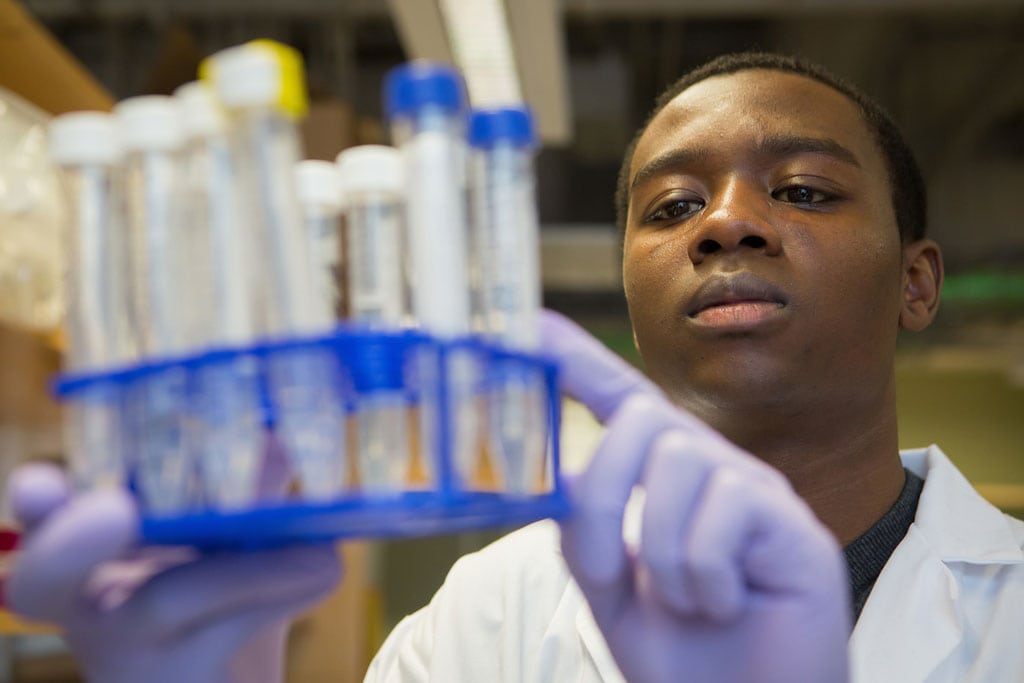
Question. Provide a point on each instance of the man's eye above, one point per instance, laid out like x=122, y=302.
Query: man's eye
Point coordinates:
x=801, y=194
x=676, y=208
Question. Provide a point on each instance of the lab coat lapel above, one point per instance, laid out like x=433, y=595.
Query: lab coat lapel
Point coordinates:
x=891, y=641
x=913, y=620
x=957, y=523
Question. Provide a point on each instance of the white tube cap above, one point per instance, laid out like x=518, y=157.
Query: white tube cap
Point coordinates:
x=246, y=77
x=317, y=184
x=83, y=137
x=201, y=114
x=150, y=123
x=370, y=168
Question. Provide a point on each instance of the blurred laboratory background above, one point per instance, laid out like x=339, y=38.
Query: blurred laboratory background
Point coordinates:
x=950, y=71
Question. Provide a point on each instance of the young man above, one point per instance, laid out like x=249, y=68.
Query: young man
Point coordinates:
x=773, y=248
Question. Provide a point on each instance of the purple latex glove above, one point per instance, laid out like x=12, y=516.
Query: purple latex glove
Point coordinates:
x=734, y=578
x=153, y=615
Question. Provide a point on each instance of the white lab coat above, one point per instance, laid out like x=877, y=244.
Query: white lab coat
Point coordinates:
x=948, y=606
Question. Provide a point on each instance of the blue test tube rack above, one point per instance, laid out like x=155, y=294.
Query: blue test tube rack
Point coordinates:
x=364, y=360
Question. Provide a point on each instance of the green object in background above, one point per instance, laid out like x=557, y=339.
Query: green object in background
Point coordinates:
x=620, y=340
x=980, y=286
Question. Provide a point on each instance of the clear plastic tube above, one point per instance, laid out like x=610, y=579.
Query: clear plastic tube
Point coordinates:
x=160, y=248
x=322, y=229
x=230, y=434
x=84, y=146
x=97, y=327
x=372, y=178
x=435, y=159
x=505, y=227
x=318, y=185
x=375, y=229
x=270, y=151
x=426, y=107
x=375, y=223
x=222, y=260
x=518, y=428
x=382, y=442
x=260, y=83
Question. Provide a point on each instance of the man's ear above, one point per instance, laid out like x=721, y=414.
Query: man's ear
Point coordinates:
x=922, y=284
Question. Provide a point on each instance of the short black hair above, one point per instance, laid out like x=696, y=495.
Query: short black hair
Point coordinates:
x=908, y=188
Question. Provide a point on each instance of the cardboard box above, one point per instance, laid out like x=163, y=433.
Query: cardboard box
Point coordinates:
x=37, y=67
x=327, y=129
x=330, y=644
x=27, y=365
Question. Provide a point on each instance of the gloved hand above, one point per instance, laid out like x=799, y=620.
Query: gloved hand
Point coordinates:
x=734, y=579
x=153, y=615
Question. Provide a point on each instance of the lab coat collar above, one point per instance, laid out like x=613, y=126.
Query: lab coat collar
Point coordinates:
x=956, y=522
x=913, y=619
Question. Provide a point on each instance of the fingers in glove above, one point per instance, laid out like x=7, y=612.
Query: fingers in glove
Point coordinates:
x=275, y=471
x=215, y=588
x=49, y=574
x=675, y=481
x=790, y=535
x=708, y=506
x=233, y=635
x=740, y=517
x=588, y=371
x=592, y=539
x=35, y=490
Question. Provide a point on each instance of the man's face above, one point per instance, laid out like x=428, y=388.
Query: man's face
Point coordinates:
x=762, y=262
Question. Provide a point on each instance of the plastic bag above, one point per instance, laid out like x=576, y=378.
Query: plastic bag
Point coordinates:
x=31, y=213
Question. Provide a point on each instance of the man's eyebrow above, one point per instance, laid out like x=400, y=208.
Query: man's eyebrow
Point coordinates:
x=777, y=146
x=675, y=159
x=790, y=145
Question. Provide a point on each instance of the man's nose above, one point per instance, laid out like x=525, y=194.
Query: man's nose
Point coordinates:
x=736, y=219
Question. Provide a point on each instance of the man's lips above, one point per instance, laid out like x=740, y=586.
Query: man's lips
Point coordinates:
x=735, y=300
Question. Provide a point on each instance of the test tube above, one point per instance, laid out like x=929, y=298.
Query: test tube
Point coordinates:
x=229, y=415
x=261, y=85
x=372, y=186
x=84, y=145
x=425, y=104
x=505, y=227
x=318, y=185
x=216, y=211
x=151, y=132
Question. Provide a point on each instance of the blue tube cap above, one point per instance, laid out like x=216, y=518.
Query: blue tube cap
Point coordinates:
x=512, y=124
x=414, y=86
